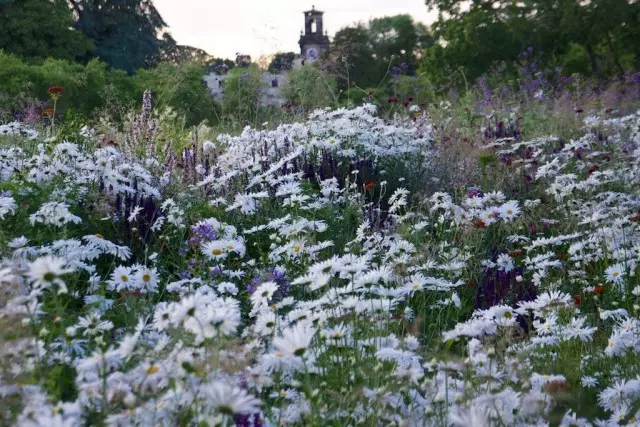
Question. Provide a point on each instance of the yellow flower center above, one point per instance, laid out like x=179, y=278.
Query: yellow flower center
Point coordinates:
x=152, y=369
x=146, y=277
x=509, y=211
x=297, y=248
x=217, y=251
x=99, y=236
x=124, y=278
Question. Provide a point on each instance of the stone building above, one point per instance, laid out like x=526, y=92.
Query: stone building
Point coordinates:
x=313, y=43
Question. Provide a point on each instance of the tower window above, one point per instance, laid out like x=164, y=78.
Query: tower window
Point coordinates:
x=314, y=27
x=274, y=83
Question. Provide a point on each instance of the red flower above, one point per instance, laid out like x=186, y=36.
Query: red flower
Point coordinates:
x=393, y=100
x=369, y=185
x=593, y=168
x=47, y=112
x=578, y=300
x=599, y=290
x=478, y=223
x=55, y=91
x=472, y=284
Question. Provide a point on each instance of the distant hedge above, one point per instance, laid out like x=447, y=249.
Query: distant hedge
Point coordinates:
x=94, y=88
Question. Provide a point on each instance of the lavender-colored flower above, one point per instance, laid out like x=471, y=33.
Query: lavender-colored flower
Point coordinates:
x=147, y=102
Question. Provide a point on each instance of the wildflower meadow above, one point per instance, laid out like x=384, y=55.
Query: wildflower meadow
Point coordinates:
x=448, y=264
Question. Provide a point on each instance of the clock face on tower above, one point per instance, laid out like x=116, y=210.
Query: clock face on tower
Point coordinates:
x=312, y=54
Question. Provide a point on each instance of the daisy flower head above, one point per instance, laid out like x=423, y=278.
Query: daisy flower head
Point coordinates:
x=55, y=214
x=615, y=273
x=504, y=263
x=215, y=250
x=509, y=211
x=147, y=279
x=121, y=279
x=236, y=245
x=162, y=316
x=263, y=293
x=229, y=400
x=7, y=206
x=489, y=216
x=45, y=272
x=295, y=340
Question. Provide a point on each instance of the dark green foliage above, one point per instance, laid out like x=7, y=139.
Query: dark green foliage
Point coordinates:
x=124, y=32
x=177, y=54
x=597, y=37
x=282, y=62
x=84, y=85
x=37, y=29
x=220, y=65
x=90, y=88
x=182, y=88
x=310, y=88
x=61, y=382
x=369, y=55
x=354, y=58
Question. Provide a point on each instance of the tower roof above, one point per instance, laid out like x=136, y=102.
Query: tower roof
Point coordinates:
x=313, y=11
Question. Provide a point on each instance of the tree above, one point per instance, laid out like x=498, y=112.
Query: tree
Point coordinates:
x=368, y=55
x=473, y=35
x=243, y=91
x=281, y=62
x=393, y=36
x=125, y=32
x=220, y=65
x=36, y=30
x=181, y=88
x=173, y=52
x=308, y=87
x=353, y=58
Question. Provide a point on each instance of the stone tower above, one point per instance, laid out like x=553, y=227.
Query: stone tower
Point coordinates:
x=313, y=42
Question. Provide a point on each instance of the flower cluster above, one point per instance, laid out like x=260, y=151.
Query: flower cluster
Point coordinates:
x=284, y=280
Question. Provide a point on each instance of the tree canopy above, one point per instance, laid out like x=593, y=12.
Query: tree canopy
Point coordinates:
x=127, y=34
x=36, y=30
x=473, y=35
x=365, y=54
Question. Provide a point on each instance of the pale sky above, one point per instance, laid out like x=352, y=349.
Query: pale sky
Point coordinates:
x=263, y=27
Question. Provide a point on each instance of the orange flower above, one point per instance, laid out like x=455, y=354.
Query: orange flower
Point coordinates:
x=369, y=185
x=478, y=223
x=556, y=386
x=48, y=112
x=599, y=289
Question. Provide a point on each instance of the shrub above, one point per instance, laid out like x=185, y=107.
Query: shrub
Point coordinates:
x=308, y=87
